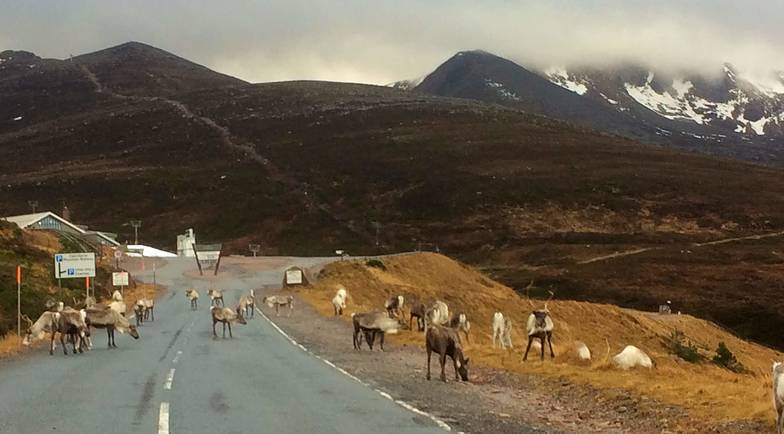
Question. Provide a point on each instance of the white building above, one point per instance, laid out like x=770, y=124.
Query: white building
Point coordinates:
x=185, y=243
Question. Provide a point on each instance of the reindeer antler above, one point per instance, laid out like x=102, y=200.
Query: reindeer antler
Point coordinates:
x=26, y=318
x=552, y=294
x=528, y=295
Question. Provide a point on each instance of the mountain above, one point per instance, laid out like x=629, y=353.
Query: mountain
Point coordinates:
x=138, y=69
x=309, y=167
x=722, y=114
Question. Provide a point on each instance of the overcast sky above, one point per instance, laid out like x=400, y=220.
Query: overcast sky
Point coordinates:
x=379, y=41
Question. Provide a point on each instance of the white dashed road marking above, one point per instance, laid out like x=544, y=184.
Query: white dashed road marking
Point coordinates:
x=169, y=380
x=163, y=419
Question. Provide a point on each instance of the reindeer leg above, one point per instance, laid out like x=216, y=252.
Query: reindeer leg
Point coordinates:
x=542, y=340
x=550, y=343
x=442, y=359
x=224, y=330
x=62, y=342
x=382, y=341
x=454, y=363
x=230, y=335
x=528, y=348
x=429, y=351
x=213, y=328
x=51, y=345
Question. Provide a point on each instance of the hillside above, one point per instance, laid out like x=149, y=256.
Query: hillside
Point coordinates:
x=310, y=167
x=714, y=397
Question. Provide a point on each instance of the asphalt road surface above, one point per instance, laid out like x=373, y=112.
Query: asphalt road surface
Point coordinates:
x=178, y=378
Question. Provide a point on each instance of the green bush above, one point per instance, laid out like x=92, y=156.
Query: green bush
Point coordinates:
x=376, y=263
x=726, y=359
x=681, y=347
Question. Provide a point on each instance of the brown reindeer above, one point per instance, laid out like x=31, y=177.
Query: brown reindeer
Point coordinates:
x=111, y=320
x=225, y=316
x=370, y=324
x=446, y=342
x=418, y=312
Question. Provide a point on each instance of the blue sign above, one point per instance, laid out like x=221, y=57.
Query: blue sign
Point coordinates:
x=58, y=258
x=71, y=271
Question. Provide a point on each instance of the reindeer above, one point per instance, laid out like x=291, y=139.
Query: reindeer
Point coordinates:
x=460, y=323
x=216, y=296
x=139, y=310
x=225, y=316
x=110, y=320
x=436, y=314
x=248, y=304
x=446, y=342
x=778, y=395
x=417, y=311
x=193, y=296
x=68, y=322
x=394, y=306
x=339, y=300
x=278, y=301
x=371, y=324
x=539, y=326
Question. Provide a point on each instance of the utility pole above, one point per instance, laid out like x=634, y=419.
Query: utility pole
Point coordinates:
x=33, y=204
x=136, y=225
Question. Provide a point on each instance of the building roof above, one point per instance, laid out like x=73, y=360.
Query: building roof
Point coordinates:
x=139, y=250
x=27, y=220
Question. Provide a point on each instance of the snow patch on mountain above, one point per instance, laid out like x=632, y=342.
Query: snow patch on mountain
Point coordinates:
x=502, y=91
x=674, y=107
x=560, y=76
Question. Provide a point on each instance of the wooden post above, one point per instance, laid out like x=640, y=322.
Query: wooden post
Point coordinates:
x=220, y=255
x=19, y=302
x=198, y=264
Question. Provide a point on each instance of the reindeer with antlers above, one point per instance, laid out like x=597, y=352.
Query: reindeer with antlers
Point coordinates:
x=539, y=325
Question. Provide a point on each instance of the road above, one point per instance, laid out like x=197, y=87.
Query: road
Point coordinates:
x=178, y=378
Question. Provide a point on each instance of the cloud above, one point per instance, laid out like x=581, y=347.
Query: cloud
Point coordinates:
x=387, y=40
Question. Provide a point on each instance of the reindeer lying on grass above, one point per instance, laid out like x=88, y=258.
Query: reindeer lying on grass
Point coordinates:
x=446, y=342
x=193, y=296
x=225, y=316
x=248, y=304
x=111, y=320
x=278, y=301
x=370, y=324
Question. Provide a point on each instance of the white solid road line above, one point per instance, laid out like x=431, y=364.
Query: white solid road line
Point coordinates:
x=169, y=380
x=163, y=419
x=441, y=424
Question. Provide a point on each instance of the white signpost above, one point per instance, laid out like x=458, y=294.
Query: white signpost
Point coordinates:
x=294, y=277
x=74, y=265
x=120, y=278
x=208, y=257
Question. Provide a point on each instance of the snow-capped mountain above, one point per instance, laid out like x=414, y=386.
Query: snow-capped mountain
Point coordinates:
x=724, y=113
x=725, y=101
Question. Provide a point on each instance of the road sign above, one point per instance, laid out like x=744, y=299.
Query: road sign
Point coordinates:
x=294, y=277
x=118, y=254
x=120, y=279
x=74, y=265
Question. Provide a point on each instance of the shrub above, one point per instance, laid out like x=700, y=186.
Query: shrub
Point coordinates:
x=376, y=263
x=683, y=348
x=726, y=359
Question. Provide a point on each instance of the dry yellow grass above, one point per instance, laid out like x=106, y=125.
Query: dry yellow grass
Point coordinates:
x=706, y=391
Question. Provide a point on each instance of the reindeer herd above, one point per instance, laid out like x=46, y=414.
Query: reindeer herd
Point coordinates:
x=74, y=326
x=443, y=332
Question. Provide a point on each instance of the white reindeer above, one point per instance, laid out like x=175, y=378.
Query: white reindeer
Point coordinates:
x=278, y=301
x=778, y=395
x=339, y=301
x=498, y=329
x=631, y=357
x=193, y=296
x=436, y=314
